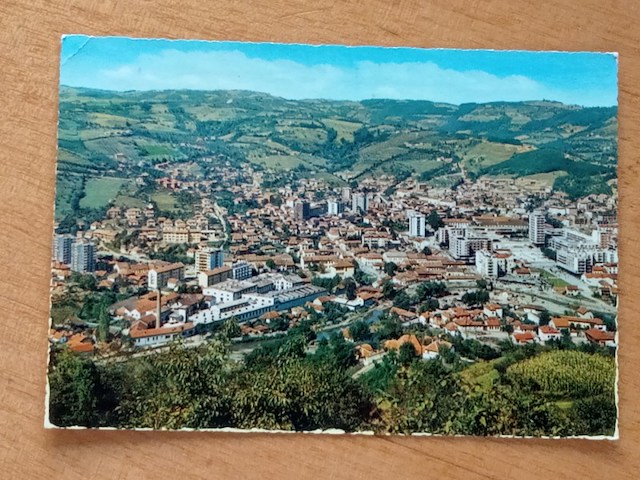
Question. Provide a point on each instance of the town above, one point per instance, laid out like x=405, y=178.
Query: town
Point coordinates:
x=492, y=260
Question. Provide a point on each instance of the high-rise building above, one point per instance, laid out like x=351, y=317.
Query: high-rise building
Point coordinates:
x=335, y=207
x=301, y=210
x=536, y=228
x=417, y=223
x=241, y=270
x=486, y=264
x=158, y=277
x=83, y=257
x=465, y=247
x=346, y=194
x=62, y=248
x=359, y=202
x=208, y=259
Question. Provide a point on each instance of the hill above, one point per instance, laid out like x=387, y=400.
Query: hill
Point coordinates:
x=121, y=134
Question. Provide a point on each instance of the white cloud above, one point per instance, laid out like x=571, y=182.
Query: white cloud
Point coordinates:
x=174, y=69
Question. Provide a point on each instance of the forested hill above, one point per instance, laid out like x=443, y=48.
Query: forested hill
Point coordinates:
x=123, y=133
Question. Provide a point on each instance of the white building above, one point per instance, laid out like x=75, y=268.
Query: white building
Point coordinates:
x=83, y=257
x=62, y=248
x=241, y=270
x=465, y=247
x=159, y=276
x=335, y=207
x=536, y=227
x=417, y=224
x=486, y=264
x=209, y=259
x=360, y=202
x=229, y=290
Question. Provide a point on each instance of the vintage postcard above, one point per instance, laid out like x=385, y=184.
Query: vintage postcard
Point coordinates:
x=334, y=239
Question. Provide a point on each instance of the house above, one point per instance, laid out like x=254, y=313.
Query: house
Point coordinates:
x=533, y=312
x=601, y=337
x=577, y=323
x=584, y=312
x=493, y=324
x=523, y=338
x=404, y=315
x=547, y=332
x=493, y=310
x=151, y=337
x=432, y=350
x=396, y=344
x=80, y=343
x=344, y=268
x=568, y=290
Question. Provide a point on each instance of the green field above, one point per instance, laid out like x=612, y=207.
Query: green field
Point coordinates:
x=343, y=128
x=127, y=201
x=553, y=280
x=289, y=162
x=164, y=200
x=485, y=154
x=482, y=374
x=70, y=157
x=100, y=191
x=156, y=150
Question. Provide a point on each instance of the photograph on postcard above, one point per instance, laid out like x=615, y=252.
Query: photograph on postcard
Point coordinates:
x=273, y=237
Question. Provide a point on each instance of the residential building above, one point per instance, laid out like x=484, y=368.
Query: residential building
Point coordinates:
x=241, y=270
x=211, y=277
x=159, y=276
x=465, y=247
x=359, y=202
x=83, y=257
x=209, y=259
x=417, y=223
x=301, y=210
x=335, y=207
x=537, y=227
x=62, y=248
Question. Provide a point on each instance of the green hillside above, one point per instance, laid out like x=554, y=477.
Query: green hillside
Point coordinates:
x=124, y=134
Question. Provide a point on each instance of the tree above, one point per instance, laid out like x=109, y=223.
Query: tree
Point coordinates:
x=430, y=289
x=402, y=300
x=388, y=290
x=73, y=390
x=350, y=288
x=430, y=305
x=407, y=354
x=482, y=284
x=230, y=329
x=427, y=251
x=477, y=297
x=434, y=220
x=390, y=268
x=389, y=327
x=270, y=264
x=104, y=321
x=360, y=331
x=545, y=317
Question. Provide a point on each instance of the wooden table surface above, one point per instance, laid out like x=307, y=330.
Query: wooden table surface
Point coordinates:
x=29, y=37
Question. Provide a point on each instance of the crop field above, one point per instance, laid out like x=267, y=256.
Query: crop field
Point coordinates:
x=343, y=128
x=553, y=280
x=486, y=154
x=165, y=200
x=99, y=191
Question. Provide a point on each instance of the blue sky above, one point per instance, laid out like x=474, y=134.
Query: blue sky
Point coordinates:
x=338, y=72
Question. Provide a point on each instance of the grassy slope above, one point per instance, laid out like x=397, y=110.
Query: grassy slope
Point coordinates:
x=99, y=191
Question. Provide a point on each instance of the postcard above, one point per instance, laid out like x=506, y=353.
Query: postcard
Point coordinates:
x=271, y=237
